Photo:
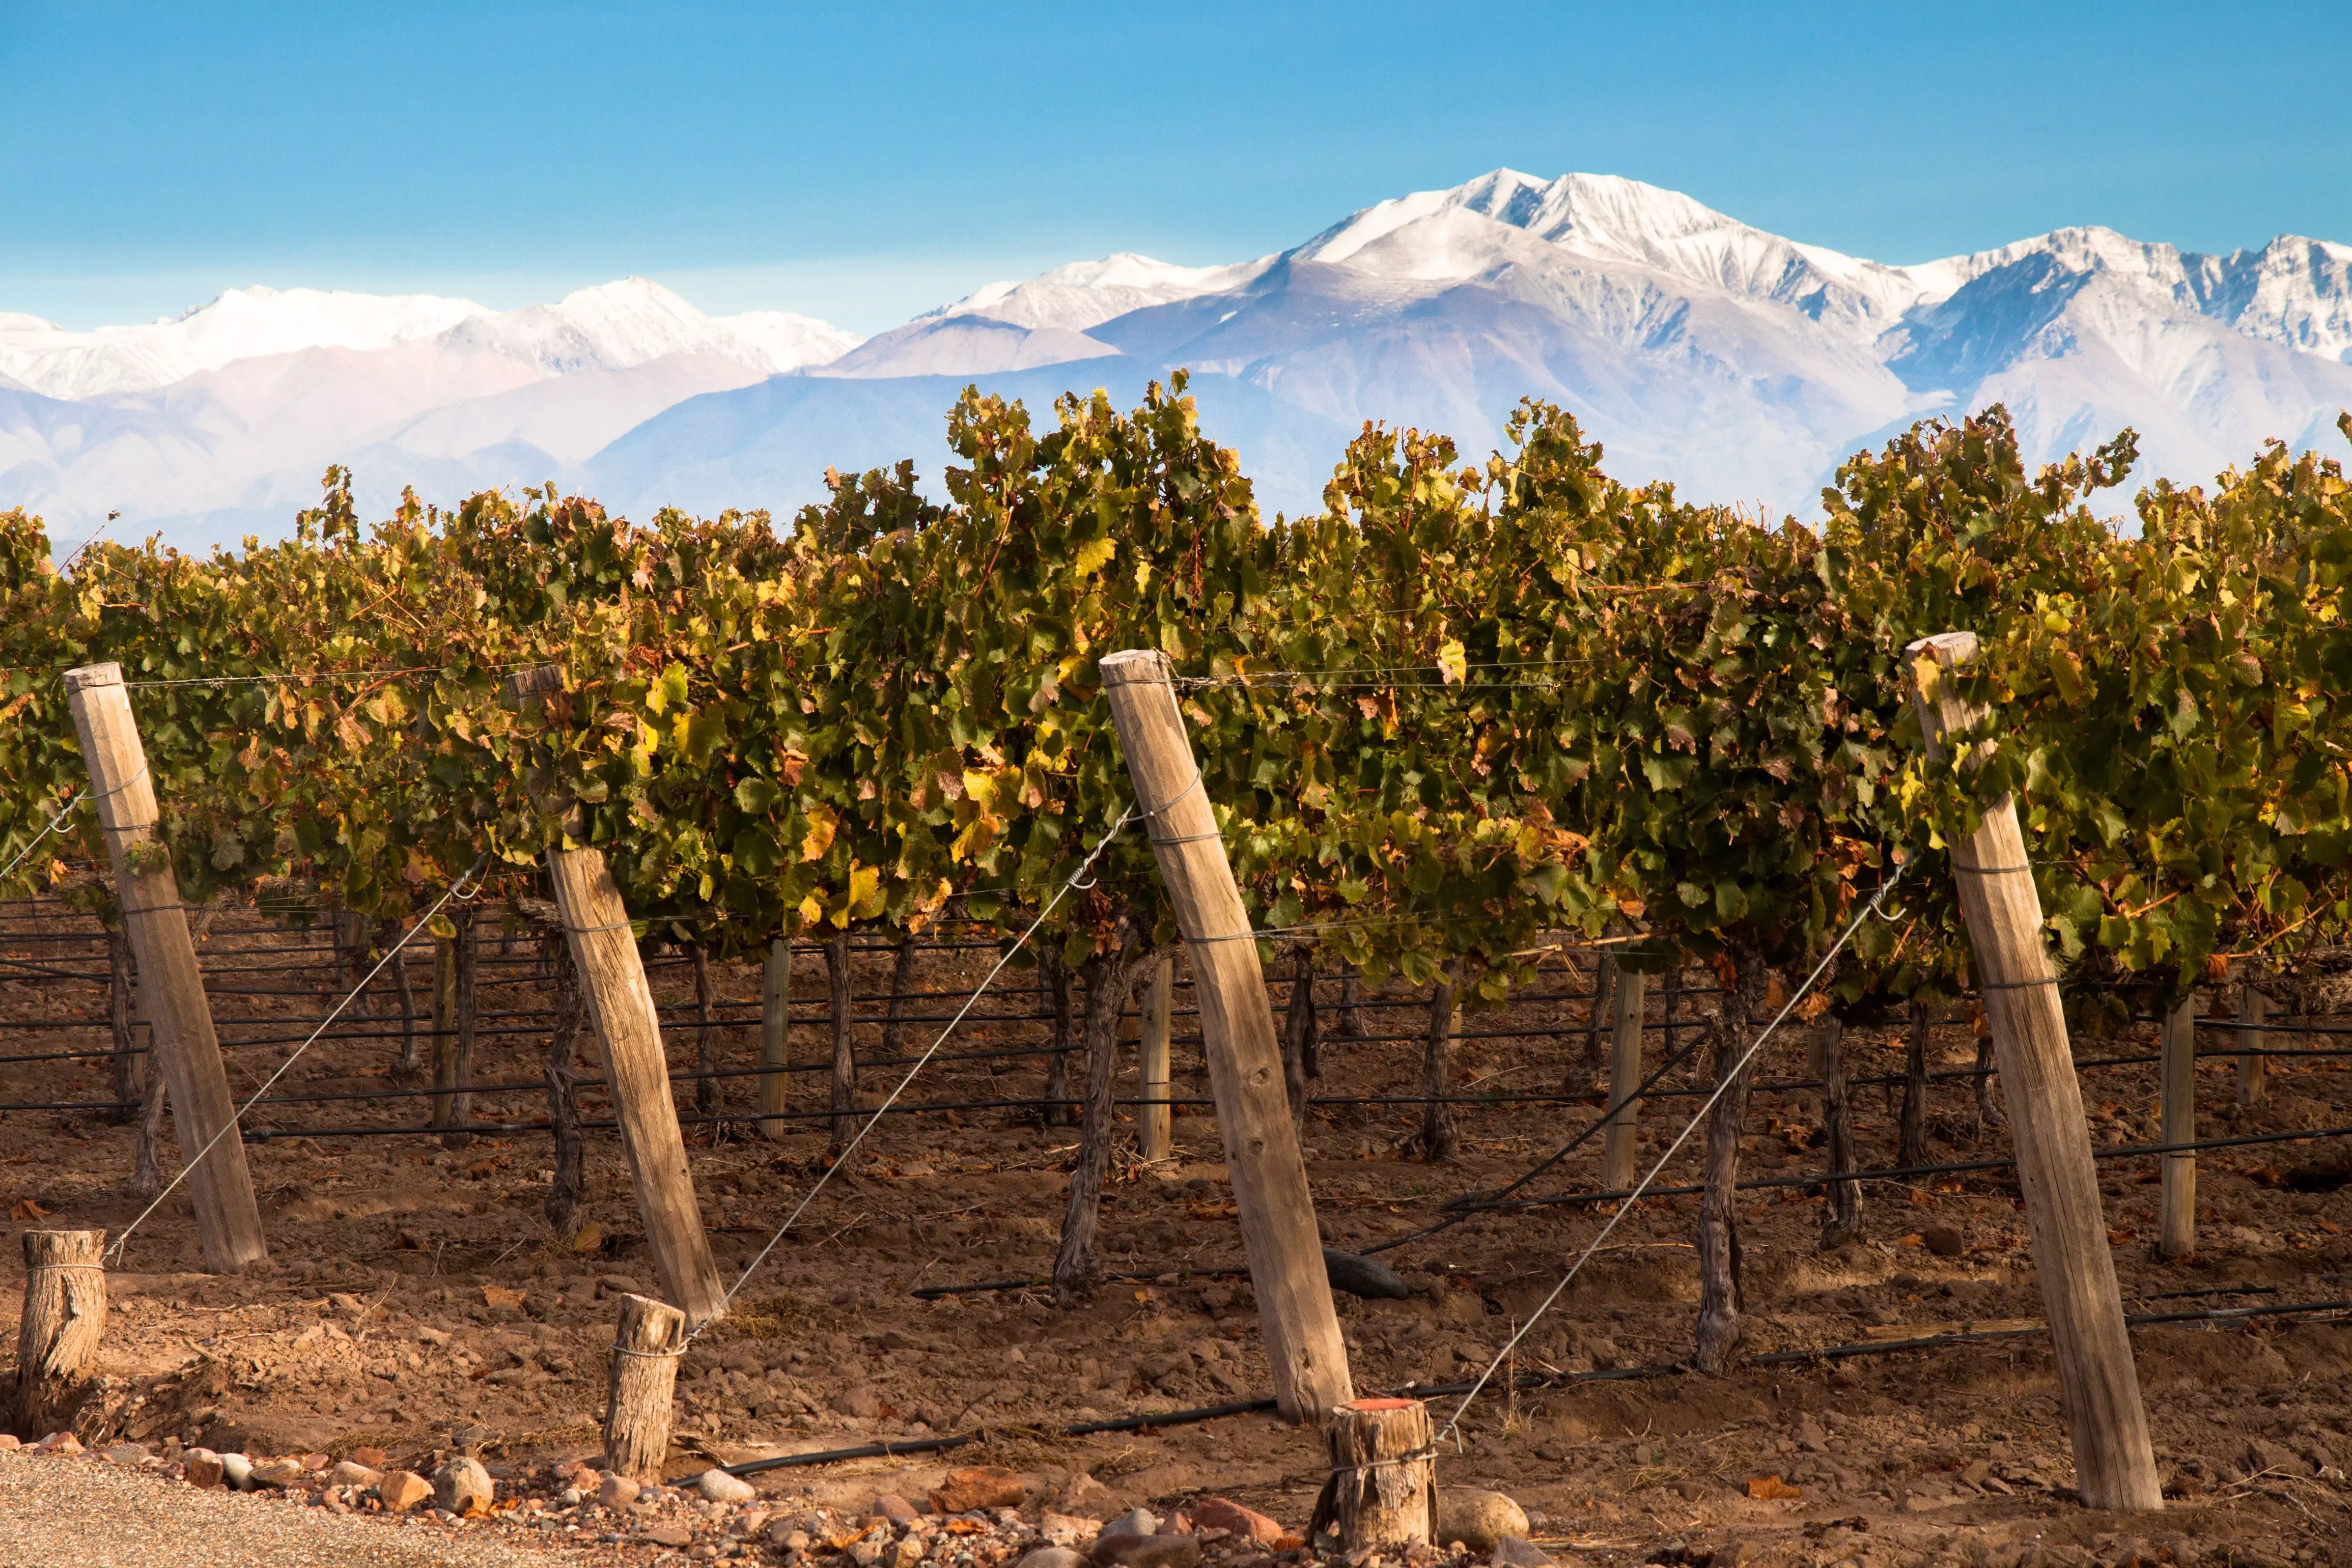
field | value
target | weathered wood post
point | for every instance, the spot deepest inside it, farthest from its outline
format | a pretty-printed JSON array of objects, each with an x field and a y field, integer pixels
[
  {"x": 1308, "y": 1358},
  {"x": 1155, "y": 1116},
  {"x": 1618, "y": 1140},
  {"x": 64, "y": 1319},
  {"x": 636, "y": 1071},
  {"x": 775, "y": 1038},
  {"x": 2176, "y": 1204},
  {"x": 228, "y": 1223},
  {"x": 2253, "y": 1008},
  {"x": 2115, "y": 1464},
  {"x": 1383, "y": 1489},
  {"x": 646, "y": 1353}
]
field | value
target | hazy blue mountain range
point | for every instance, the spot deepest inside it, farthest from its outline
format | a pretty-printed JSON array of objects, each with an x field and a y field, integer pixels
[{"x": 1741, "y": 364}]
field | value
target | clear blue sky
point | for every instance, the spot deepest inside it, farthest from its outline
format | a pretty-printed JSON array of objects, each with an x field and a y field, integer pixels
[{"x": 864, "y": 162}]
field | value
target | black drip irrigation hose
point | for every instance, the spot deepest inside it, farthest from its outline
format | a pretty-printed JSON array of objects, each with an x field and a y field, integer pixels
[
  {"x": 1537, "y": 1381},
  {"x": 932, "y": 1292}
]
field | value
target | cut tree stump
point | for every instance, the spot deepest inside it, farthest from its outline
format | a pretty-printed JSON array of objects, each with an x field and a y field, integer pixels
[
  {"x": 1382, "y": 1494},
  {"x": 646, "y": 1353},
  {"x": 64, "y": 1317}
]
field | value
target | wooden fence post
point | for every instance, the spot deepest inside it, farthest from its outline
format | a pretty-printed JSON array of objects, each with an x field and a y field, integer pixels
[
  {"x": 228, "y": 1223},
  {"x": 775, "y": 1038},
  {"x": 64, "y": 1318},
  {"x": 1618, "y": 1140},
  {"x": 1438, "y": 1136},
  {"x": 2115, "y": 1464},
  {"x": 1154, "y": 1118},
  {"x": 646, "y": 1354},
  {"x": 2253, "y": 1008},
  {"x": 1308, "y": 1358},
  {"x": 636, "y": 1071},
  {"x": 2176, "y": 1204},
  {"x": 1383, "y": 1487}
]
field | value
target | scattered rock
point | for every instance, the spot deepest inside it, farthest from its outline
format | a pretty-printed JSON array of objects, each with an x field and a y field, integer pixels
[
  {"x": 1221, "y": 1513},
  {"x": 368, "y": 1455},
  {"x": 1943, "y": 1240},
  {"x": 351, "y": 1474},
  {"x": 866, "y": 1553},
  {"x": 907, "y": 1553},
  {"x": 1363, "y": 1276},
  {"x": 719, "y": 1486},
  {"x": 201, "y": 1467},
  {"x": 669, "y": 1535},
  {"x": 127, "y": 1453},
  {"x": 282, "y": 1472},
  {"x": 10, "y": 1440},
  {"x": 1516, "y": 1552},
  {"x": 1134, "y": 1521},
  {"x": 1061, "y": 1529},
  {"x": 1146, "y": 1551},
  {"x": 59, "y": 1443},
  {"x": 1053, "y": 1557},
  {"x": 979, "y": 1487},
  {"x": 894, "y": 1508},
  {"x": 463, "y": 1487},
  {"x": 616, "y": 1490},
  {"x": 1477, "y": 1518},
  {"x": 860, "y": 1401},
  {"x": 400, "y": 1490},
  {"x": 236, "y": 1470},
  {"x": 2262, "y": 1456}
]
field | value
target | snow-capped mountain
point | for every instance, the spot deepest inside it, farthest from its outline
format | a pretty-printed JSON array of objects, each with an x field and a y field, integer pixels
[{"x": 1740, "y": 364}]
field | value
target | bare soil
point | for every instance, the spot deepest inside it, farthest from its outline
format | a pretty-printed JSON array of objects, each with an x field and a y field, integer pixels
[{"x": 418, "y": 1300}]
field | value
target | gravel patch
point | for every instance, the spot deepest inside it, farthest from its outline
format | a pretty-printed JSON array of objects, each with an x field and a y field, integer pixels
[{"x": 83, "y": 1512}]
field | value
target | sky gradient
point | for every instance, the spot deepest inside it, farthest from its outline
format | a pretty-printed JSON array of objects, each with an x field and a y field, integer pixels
[{"x": 863, "y": 164}]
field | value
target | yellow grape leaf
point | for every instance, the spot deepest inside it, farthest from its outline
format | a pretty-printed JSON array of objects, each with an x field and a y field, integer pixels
[
  {"x": 1453, "y": 662},
  {"x": 1771, "y": 1488},
  {"x": 822, "y": 823},
  {"x": 27, "y": 1209},
  {"x": 501, "y": 1295},
  {"x": 1092, "y": 554},
  {"x": 590, "y": 1238}
]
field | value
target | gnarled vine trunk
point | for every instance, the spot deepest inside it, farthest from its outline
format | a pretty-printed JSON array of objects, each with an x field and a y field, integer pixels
[
  {"x": 1842, "y": 1215},
  {"x": 563, "y": 1096},
  {"x": 839, "y": 982},
  {"x": 1301, "y": 1034},
  {"x": 1438, "y": 1142},
  {"x": 1718, "y": 1218},
  {"x": 1109, "y": 977},
  {"x": 1055, "y": 976}
]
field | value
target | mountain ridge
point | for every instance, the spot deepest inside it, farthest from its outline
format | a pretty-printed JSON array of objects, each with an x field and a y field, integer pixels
[{"x": 1742, "y": 363}]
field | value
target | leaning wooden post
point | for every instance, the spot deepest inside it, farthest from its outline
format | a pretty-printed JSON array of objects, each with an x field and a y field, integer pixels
[
  {"x": 636, "y": 1071},
  {"x": 1617, "y": 1146},
  {"x": 2253, "y": 1008},
  {"x": 2115, "y": 1465},
  {"x": 228, "y": 1223},
  {"x": 1308, "y": 1358},
  {"x": 1383, "y": 1491},
  {"x": 64, "y": 1316},
  {"x": 775, "y": 1038},
  {"x": 1154, "y": 1117},
  {"x": 2176, "y": 1204},
  {"x": 646, "y": 1351}
]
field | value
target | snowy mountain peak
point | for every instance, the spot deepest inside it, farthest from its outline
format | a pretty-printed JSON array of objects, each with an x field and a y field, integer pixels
[
  {"x": 242, "y": 323},
  {"x": 1088, "y": 294}
]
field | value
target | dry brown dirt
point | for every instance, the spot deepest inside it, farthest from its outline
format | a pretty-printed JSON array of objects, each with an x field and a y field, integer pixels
[{"x": 416, "y": 1298}]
